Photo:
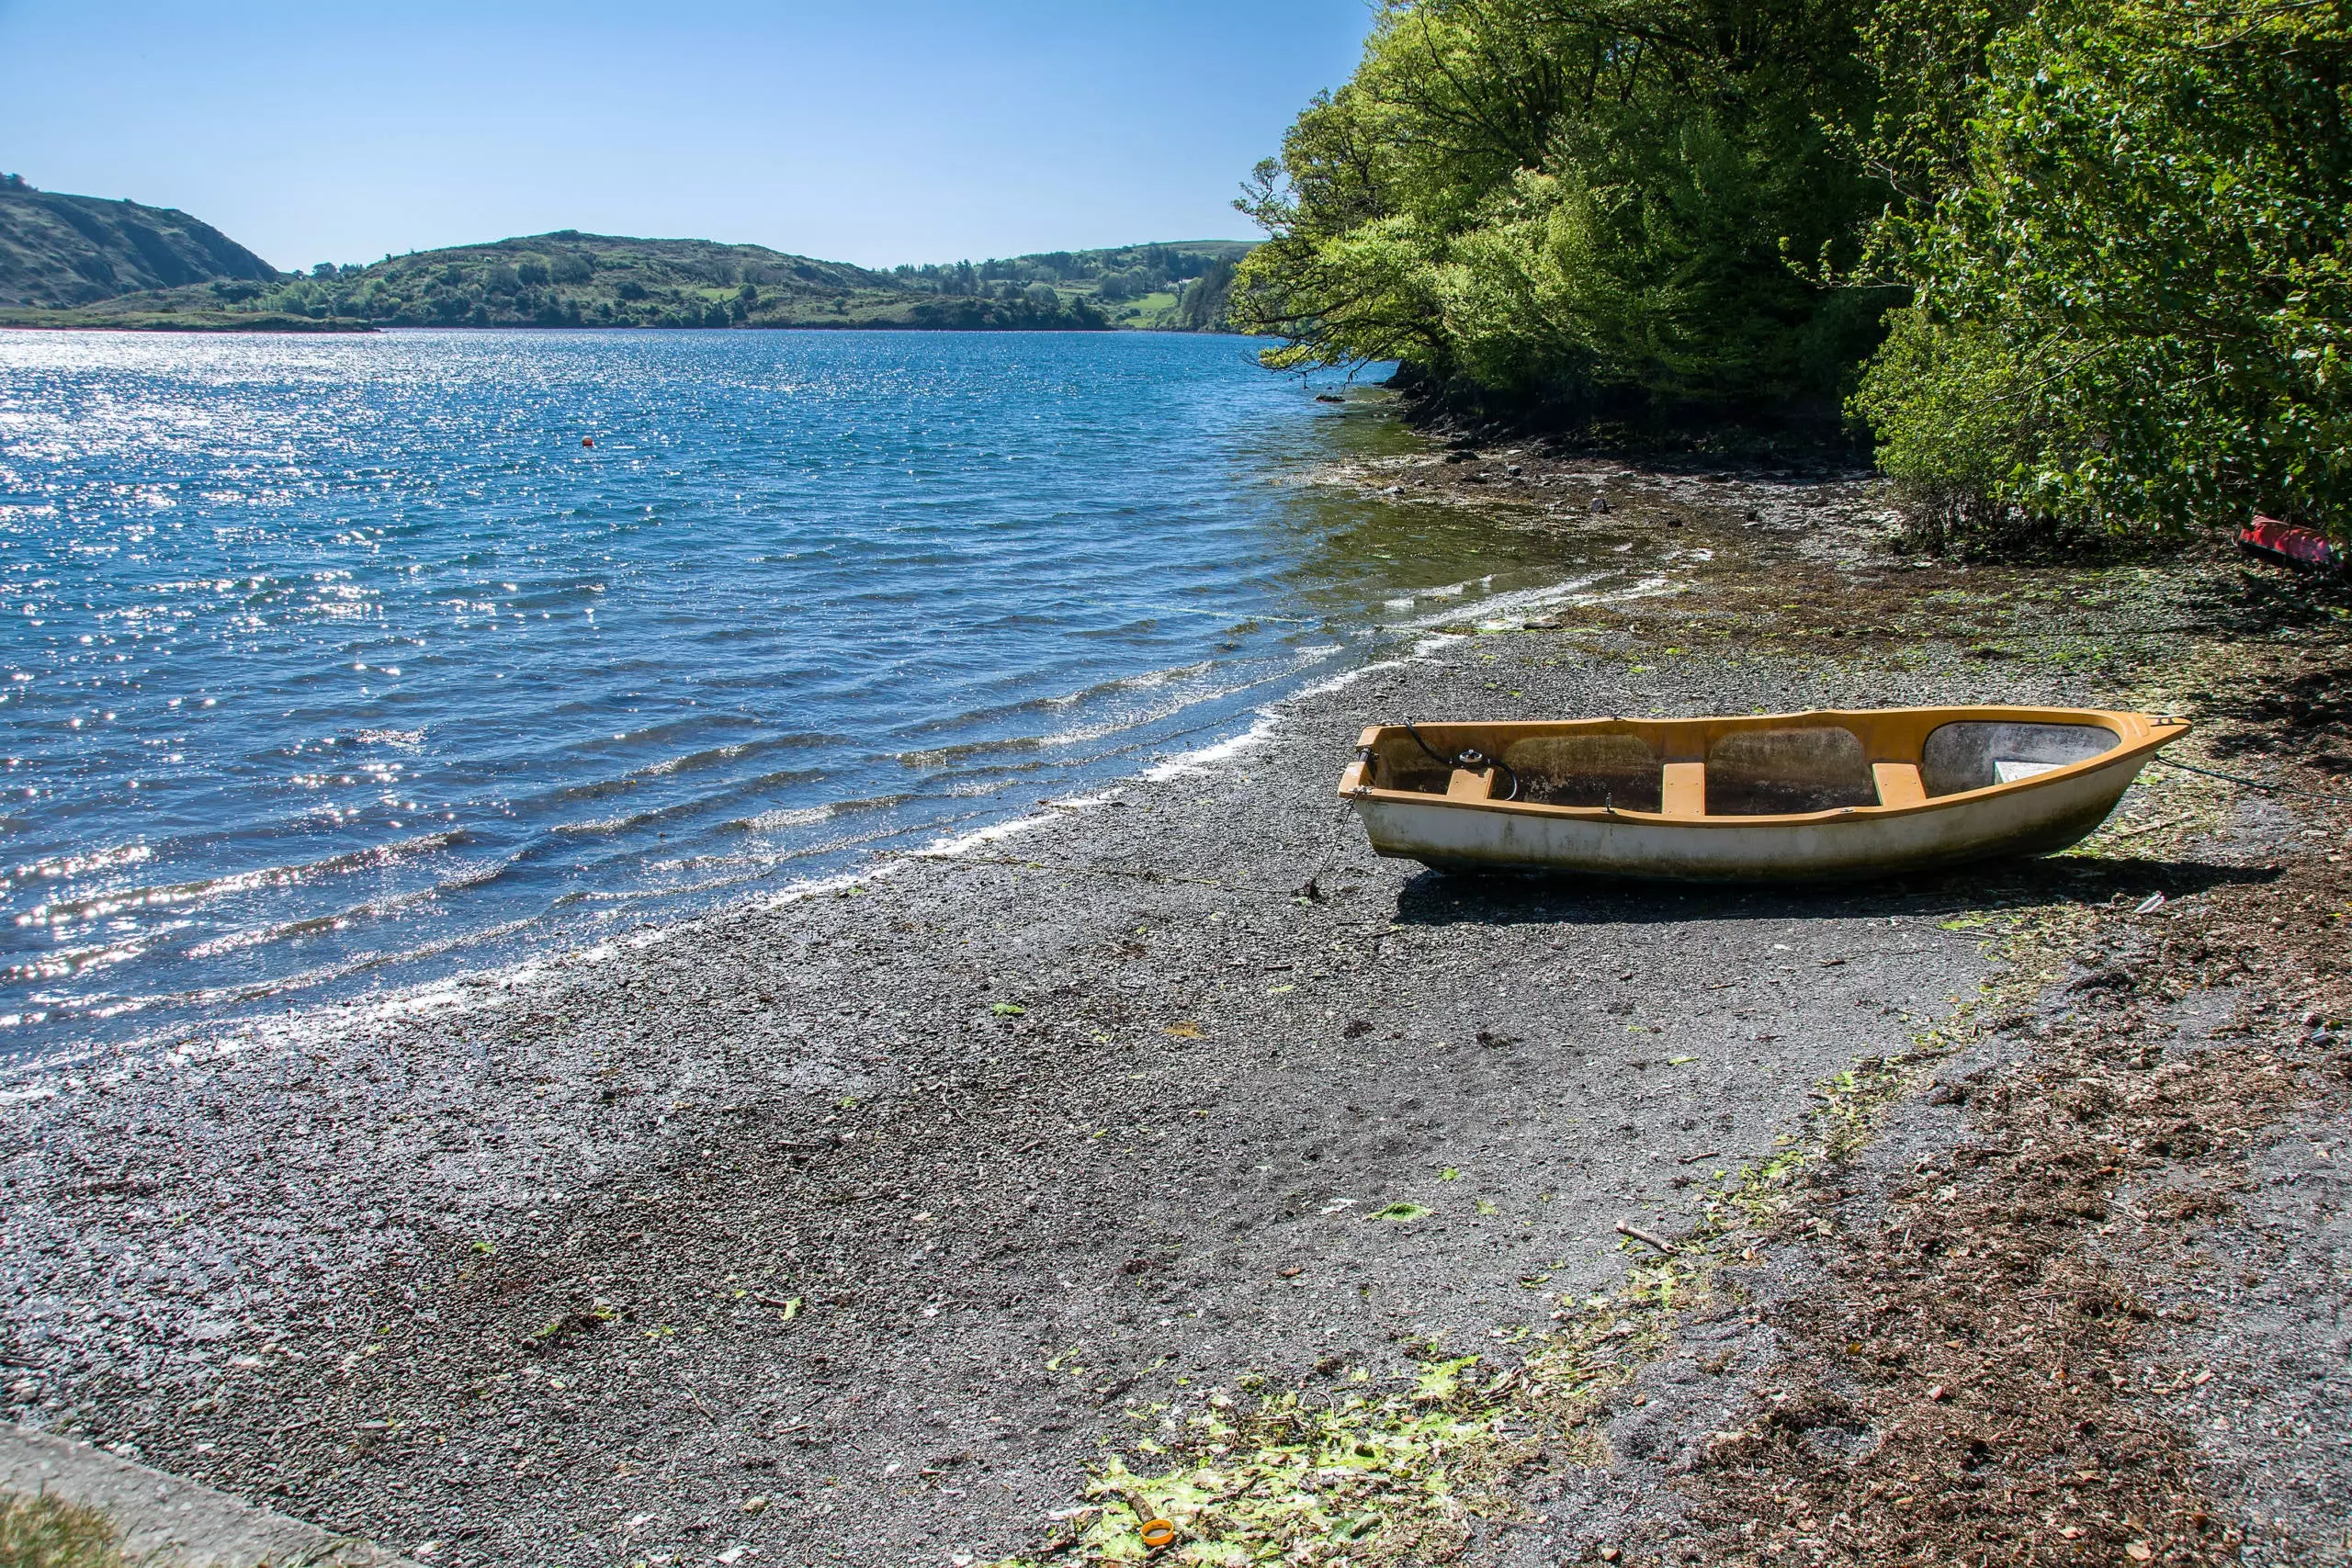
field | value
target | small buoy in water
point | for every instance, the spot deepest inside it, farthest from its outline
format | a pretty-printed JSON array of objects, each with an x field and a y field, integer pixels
[{"x": 587, "y": 441}]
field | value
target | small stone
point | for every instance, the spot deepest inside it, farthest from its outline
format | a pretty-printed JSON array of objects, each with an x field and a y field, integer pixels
[{"x": 1599, "y": 505}]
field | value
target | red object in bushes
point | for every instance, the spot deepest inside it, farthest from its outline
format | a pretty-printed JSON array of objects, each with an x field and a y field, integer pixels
[{"x": 2284, "y": 541}]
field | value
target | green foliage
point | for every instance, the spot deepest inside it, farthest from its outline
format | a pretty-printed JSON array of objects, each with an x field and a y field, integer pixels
[
  {"x": 1176, "y": 286},
  {"x": 1580, "y": 203},
  {"x": 1205, "y": 304},
  {"x": 1366, "y": 1477},
  {"x": 2125, "y": 222},
  {"x": 570, "y": 280}
]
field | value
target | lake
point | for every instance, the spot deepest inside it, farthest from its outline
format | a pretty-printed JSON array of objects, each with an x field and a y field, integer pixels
[{"x": 339, "y": 663}]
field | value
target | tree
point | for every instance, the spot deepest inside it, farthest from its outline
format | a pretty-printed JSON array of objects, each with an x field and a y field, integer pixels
[
  {"x": 2125, "y": 224},
  {"x": 1203, "y": 305},
  {"x": 1578, "y": 204}
]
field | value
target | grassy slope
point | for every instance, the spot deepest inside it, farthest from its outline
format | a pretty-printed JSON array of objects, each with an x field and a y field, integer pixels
[
  {"x": 67, "y": 251},
  {"x": 162, "y": 312}
]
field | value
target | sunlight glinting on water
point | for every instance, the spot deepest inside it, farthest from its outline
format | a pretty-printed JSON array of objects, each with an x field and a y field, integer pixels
[{"x": 336, "y": 662}]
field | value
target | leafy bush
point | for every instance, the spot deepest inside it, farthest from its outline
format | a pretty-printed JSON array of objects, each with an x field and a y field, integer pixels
[
  {"x": 2126, "y": 229},
  {"x": 1581, "y": 205}
]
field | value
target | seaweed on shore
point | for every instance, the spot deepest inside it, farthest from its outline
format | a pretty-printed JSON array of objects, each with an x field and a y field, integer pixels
[
  {"x": 1406, "y": 1474},
  {"x": 50, "y": 1532}
]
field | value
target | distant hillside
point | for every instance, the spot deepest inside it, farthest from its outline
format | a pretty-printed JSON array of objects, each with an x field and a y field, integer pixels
[
  {"x": 63, "y": 250},
  {"x": 572, "y": 279},
  {"x": 1170, "y": 286},
  {"x": 78, "y": 260}
]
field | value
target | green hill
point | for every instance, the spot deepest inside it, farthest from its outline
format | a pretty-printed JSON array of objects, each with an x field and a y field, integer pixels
[
  {"x": 64, "y": 251},
  {"x": 572, "y": 279},
  {"x": 569, "y": 278},
  {"x": 78, "y": 260}
]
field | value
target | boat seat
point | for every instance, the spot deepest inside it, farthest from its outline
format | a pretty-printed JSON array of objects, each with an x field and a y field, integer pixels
[
  {"x": 1684, "y": 790},
  {"x": 1465, "y": 785},
  {"x": 1899, "y": 784}
]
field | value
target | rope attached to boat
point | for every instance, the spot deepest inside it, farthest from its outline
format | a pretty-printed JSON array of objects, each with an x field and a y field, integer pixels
[
  {"x": 1470, "y": 757},
  {"x": 2252, "y": 783}
]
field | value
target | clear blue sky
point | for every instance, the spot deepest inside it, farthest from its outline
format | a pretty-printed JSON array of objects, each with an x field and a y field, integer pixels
[{"x": 902, "y": 130}]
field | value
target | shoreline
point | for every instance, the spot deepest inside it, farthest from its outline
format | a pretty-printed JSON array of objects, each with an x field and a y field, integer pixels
[
  {"x": 358, "y": 325},
  {"x": 884, "y": 1206},
  {"x": 264, "y": 1012},
  {"x": 310, "y": 905}
]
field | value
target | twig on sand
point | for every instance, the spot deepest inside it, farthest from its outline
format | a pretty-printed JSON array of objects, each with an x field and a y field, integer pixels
[
  {"x": 1640, "y": 1234},
  {"x": 1137, "y": 873}
]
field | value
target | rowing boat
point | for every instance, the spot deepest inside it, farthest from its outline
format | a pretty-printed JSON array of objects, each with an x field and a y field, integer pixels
[{"x": 1801, "y": 796}]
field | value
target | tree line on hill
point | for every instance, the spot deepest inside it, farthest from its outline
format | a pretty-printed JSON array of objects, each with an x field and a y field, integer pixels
[
  {"x": 1198, "y": 274},
  {"x": 2075, "y": 265},
  {"x": 78, "y": 261},
  {"x": 573, "y": 279}
]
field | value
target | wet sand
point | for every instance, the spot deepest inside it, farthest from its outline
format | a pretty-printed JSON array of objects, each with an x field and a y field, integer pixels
[{"x": 848, "y": 1229}]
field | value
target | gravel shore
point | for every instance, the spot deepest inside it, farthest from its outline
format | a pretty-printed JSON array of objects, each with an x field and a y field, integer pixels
[{"x": 848, "y": 1229}]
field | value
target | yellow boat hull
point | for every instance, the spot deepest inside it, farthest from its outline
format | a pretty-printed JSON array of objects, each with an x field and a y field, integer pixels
[{"x": 1896, "y": 790}]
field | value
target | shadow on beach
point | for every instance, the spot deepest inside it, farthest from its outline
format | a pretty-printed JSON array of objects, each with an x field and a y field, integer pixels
[{"x": 1444, "y": 898}]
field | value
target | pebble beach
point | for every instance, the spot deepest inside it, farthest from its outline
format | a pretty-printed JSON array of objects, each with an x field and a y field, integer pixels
[{"x": 855, "y": 1225}]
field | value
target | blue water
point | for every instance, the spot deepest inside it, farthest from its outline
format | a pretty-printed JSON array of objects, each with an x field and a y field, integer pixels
[{"x": 338, "y": 663}]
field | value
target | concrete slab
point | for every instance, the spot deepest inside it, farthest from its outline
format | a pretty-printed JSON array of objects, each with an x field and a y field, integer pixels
[{"x": 170, "y": 1522}]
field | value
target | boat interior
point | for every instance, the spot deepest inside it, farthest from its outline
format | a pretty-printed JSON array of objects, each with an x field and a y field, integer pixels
[{"x": 1767, "y": 766}]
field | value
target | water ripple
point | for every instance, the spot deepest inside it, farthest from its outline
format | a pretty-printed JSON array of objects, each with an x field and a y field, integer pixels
[{"x": 328, "y": 664}]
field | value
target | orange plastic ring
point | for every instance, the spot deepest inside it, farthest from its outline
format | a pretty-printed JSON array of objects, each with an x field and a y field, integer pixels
[{"x": 1158, "y": 1534}]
